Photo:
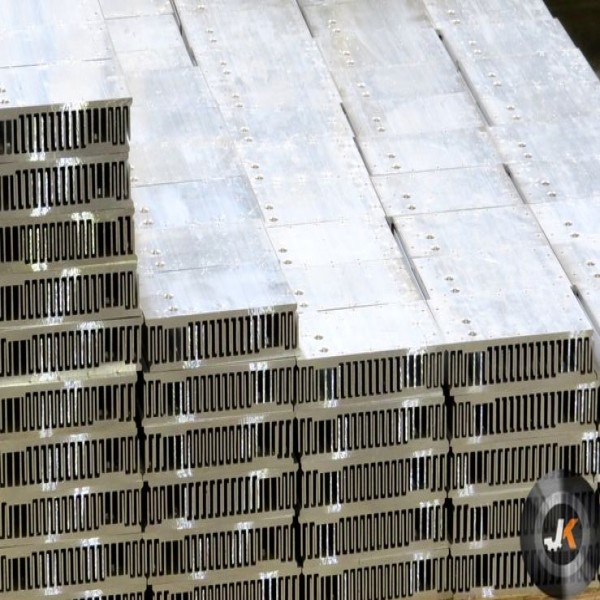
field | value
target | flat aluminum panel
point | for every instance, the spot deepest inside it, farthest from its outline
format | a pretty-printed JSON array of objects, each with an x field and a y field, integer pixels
[
  {"x": 519, "y": 316},
  {"x": 334, "y": 242},
  {"x": 367, "y": 330},
  {"x": 155, "y": 124},
  {"x": 395, "y": 82},
  {"x": 573, "y": 179},
  {"x": 116, "y": 9},
  {"x": 151, "y": 59},
  {"x": 232, "y": 23},
  {"x": 463, "y": 232},
  {"x": 217, "y": 291},
  {"x": 539, "y": 87},
  {"x": 314, "y": 157},
  {"x": 169, "y": 87},
  {"x": 447, "y": 190},
  {"x": 24, "y": 14},
  {"x": 569, "y": 221},
  {"x": 389, "y": 118},
  {"x": 278, "y": 124},
  {"x": 444, "y": 12},
  {"x": 491, "y": 272},
  {"x": 301, "y": 199},
  {"x": 349, "y": 48},
  {"x": 564, "y": 139},
  {"x": 484, "y": 38},
  {"x": 164, "y": 248},
  {"x": 48, "y": 44},
  {"x": 134, "y": 34},
  {"x": 195, "y": 202},
  {"x": 351, "y": 285},
  {"x": 371, "y": 15},
  {"x": 184, "y": 159},
  {"x": 428, "y": 151},
  {"x": 61, "y": 86}
]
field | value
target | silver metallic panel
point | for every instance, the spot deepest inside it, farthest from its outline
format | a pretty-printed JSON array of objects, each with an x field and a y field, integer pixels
[
  {"x": 464, "y": 232},
  {"x": 169, "y": 88},
  {"x": 45, "y": 44},
  {"x": 296, "y": 157},
  {"x": 414, "y": 115},
  {"x": 157, "y": 32},
  {"x": 570, "y": 137},
  {"x": 148, "y": 60},
  {"x": 62, "y": 86},
  {"x": 165, "y": 249},
  {"x": 439, "y": 191},
  {"x": 25, "y": 13},
  {"x": 117, "y": 9},
  {"x": 183, "y": 159},
  {"x": 484, "y": 38},
  {"x": 218, "y": 290},
  {"x": 371, "y": 15},
  {"x": 429, "y": 151},
  {"x": 194, "y": 203},
  {"x": 277, "y": 124},
  {"x": 562, "y": 180},
  {"x": 296, "y": 200},
  {"x": 334, "y": 243},
  {"x": 366, "y": 331},
  {"x": 350, "y": 48},
  {"x": 393, "y": 82},
  {"x": 491, "y": 272},
  {"x": 154, "y": 124},
  {"x": 468, "y": 319},
  {"x": 349, "y": 285}
]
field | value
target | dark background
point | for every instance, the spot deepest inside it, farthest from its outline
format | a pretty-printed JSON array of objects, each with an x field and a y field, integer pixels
[{"x": 581, "y": 19}]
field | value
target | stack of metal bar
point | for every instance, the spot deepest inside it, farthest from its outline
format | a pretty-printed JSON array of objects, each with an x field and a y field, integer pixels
[
  {"x": 70, "y": 517},
  {"x": 517, "y": 345},
  {"x": 219, "y": 339},
  {"x": 368, "y": 405}
]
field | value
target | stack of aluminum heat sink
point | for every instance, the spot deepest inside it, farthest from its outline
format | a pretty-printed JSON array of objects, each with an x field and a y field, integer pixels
[{"x": 71, "y": 507}]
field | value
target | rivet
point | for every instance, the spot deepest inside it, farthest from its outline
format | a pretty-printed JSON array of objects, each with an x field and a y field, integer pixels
[
  {"x": 168, "y": 295},
  {"x": 466, "y": 321},
  {"x": 268, "y": 207},
  {"x": 590, "y": 263},
  {"x": 449, "y": 278},
  {"x": 283, "y": 250},
  {"x": 430, "y": 236},
  {"x": 299, "y": 293},
  {"x": 574, "y": 235},
  {"x": 324, "y": 350},
  {"x": 472, "y": 333},
  {"x": 396, "y": 166},
  {"x": 455, "y": 290},
  {"x": 435, "y": 248},
  {"x": 568, "y": 223},
  {"x": 318, "y": 337},
  {"x": 412, "y": 207},
  {"x": 406, "y": 196}
]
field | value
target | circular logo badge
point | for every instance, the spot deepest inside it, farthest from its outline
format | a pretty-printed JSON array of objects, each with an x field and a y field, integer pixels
[{"x": 560, "y": 534}]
